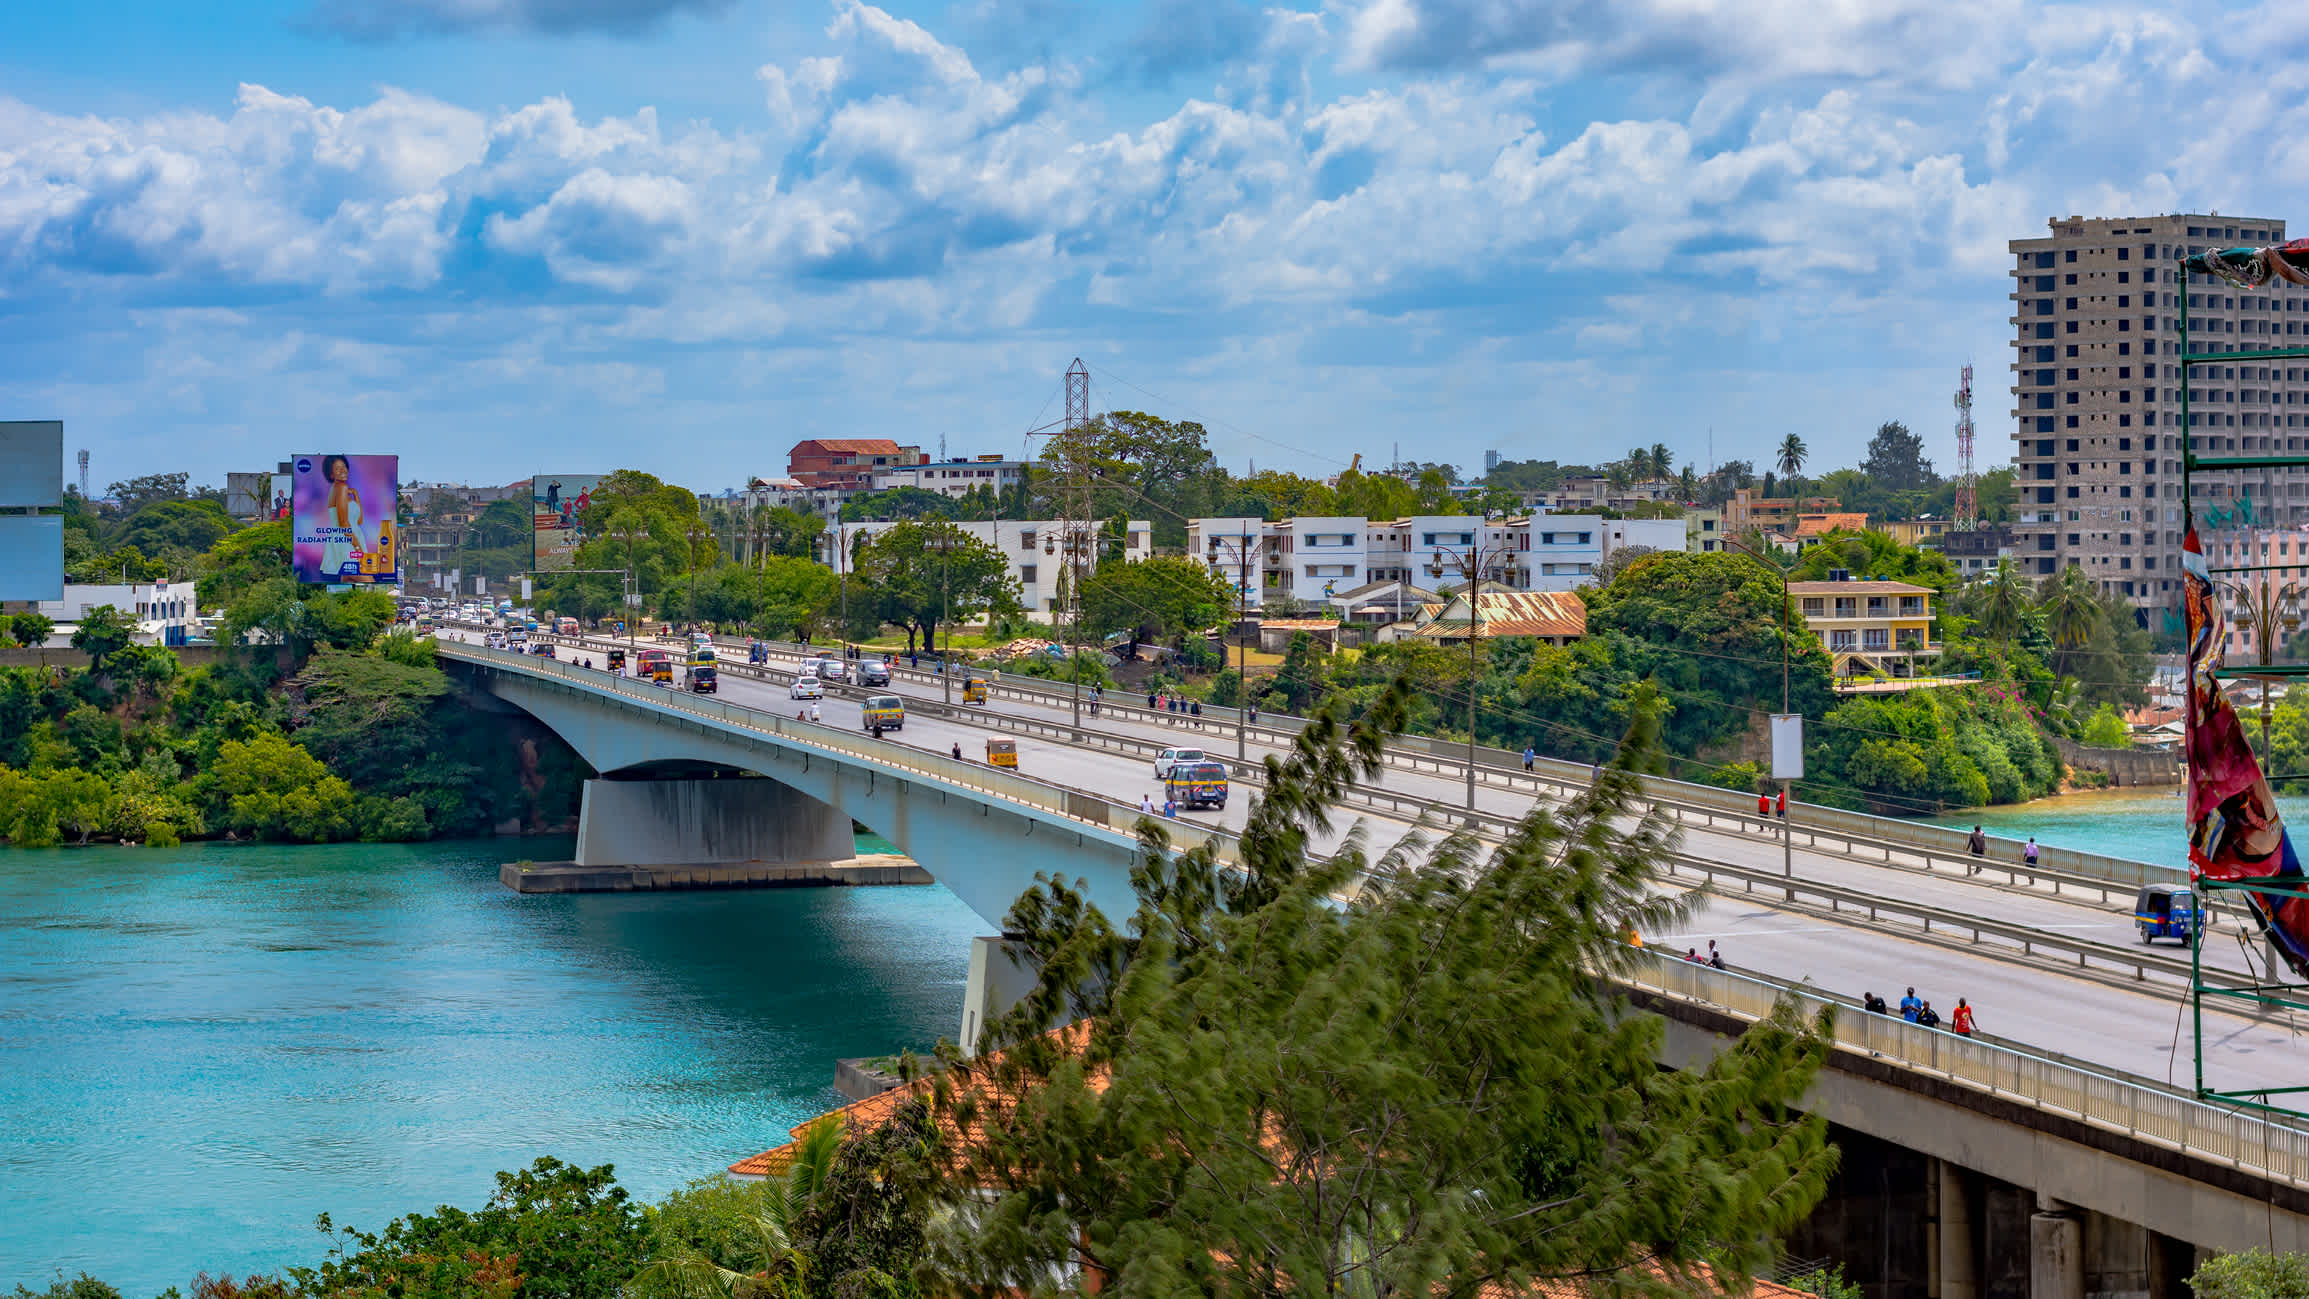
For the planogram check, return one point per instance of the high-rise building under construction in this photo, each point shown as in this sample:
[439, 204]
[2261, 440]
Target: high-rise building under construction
[2097, 398]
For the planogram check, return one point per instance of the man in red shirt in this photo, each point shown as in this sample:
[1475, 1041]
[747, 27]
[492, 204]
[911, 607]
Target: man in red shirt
[1962, 1021]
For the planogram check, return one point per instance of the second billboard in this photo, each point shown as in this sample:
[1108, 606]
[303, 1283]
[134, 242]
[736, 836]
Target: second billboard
[558, 503]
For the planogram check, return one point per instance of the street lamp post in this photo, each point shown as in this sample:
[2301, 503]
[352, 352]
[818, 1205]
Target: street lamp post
[1242, 652]
[1470, 564]
[1787, 846]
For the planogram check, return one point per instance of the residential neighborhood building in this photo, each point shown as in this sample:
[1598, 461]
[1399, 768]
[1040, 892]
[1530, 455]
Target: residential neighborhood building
[2097, 390]
[1552, 617]
[846, 462]
[956, 477]
[1978, 551]
[1870, 628]
[1924, 530]
[1597, 492]
[164, 611]
[1033, 548]
[1751, 510]
[1704, 530]
[1335, 560]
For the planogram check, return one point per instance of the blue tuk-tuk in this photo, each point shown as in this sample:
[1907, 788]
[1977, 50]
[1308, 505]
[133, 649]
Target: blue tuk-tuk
[757, 652]
[2169, 911]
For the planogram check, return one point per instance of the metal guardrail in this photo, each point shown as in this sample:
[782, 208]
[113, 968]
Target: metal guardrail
[2136, 1106]
[2139, 1107]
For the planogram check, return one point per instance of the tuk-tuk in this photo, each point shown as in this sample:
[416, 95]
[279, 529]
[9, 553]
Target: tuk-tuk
[2169, 911]
[655, 665]
[704, 679]
[974, 691]
[1002, 753]
[757, 653]
[617, 660]
[1200, 784]
[882, 712]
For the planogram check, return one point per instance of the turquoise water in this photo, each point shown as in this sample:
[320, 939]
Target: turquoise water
[2140, 824]
[201, 1048]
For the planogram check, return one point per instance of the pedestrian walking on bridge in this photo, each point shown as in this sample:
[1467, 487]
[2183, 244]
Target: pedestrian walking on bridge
[1962, 1022]
[1530, 756]
[1909, 1006]
[1978, 846]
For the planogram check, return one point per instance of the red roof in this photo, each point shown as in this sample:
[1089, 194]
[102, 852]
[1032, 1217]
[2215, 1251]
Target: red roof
[865, 446]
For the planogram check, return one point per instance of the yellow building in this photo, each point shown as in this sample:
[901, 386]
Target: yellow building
[1870, 627]
[1914, 532]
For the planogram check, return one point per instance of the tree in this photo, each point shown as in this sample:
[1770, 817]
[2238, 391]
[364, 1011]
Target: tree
[31, 628]
[927, 573]
[137, 493]
[103, 632]
[1426, 1092]
[2004, 604]
[1132, 463]
[238, 562]
[1896, 459]
[573, 1233]
[2253, 1274]
[898, 503]
[2106, 729]
[2072, 615]
[1791, 456]
[1165, 596]
[719, 1236]
[177, 530]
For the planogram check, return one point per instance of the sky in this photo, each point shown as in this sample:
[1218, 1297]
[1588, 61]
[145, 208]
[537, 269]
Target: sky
[504, 236]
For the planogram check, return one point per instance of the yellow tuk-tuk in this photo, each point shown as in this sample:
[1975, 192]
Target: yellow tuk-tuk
[617, 660]
[1002, 753]
[883, 713]
[974, 691]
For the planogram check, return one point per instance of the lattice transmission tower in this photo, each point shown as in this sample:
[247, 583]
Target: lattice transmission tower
[1967, 483]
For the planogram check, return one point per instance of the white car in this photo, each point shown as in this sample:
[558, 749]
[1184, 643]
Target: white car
[1170, 758]
[833, 670]
[805, 688]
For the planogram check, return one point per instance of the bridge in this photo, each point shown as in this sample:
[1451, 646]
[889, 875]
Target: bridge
[2068, 1102]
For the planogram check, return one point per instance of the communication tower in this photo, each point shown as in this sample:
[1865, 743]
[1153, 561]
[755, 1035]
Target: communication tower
[1074, 545]
[83, 473]
[1967, 483]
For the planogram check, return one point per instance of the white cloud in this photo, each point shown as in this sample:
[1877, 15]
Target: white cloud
[1462, 189]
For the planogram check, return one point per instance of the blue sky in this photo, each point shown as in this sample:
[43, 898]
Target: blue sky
[498, 236]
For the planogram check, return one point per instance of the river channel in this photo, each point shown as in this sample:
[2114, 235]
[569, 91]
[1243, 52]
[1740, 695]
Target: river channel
[203, 1047]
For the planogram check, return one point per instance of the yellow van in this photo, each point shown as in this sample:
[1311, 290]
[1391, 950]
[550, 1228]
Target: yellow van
[887, 712]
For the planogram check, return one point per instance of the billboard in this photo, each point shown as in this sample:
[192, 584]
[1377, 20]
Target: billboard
[341, 525]
[31, 463]
[556, 501]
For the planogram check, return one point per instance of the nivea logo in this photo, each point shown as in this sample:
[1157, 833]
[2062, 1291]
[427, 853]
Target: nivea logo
[304, 464]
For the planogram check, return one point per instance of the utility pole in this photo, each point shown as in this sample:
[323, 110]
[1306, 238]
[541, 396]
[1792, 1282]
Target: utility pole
[1470, 565]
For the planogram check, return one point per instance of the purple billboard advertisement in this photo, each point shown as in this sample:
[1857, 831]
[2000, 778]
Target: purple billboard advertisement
[342, 512]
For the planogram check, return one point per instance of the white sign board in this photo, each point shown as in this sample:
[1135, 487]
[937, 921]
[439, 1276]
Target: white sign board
[1787, 746]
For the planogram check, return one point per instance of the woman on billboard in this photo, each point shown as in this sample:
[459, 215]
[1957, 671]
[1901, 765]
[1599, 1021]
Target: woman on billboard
[347, 538]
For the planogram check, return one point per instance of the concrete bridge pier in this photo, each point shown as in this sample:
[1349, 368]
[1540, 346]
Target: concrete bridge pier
[2056, 1263]
[709, 820]
[1956, 1243]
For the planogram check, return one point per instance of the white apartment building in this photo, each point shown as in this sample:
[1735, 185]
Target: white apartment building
[1038, 550]
[157, 607]
[1314, 560]
[956, 477]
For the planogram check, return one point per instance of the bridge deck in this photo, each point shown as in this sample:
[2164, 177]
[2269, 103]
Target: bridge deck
[2123, 1029]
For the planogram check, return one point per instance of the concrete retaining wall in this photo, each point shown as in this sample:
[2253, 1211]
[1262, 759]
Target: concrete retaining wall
[192, 656]
[2125, 766]
[569, 877]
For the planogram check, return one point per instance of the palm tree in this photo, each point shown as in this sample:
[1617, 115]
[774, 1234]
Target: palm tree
[765, 1244]
[758, 523]
[2004, 604]
[1663, 462]
[1792, 453]
[2072, 611]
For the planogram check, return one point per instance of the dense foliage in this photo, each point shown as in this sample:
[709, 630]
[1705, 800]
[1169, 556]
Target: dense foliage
[1427, 1092]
